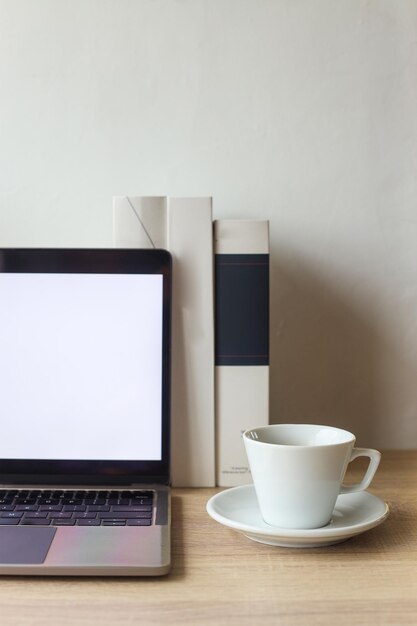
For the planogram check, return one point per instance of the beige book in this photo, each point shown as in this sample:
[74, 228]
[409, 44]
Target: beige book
[184, 227]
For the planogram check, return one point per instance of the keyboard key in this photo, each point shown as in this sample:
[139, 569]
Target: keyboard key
[9, 521]
[133, 507]
[62, 522]
[32, 521]
[11, 514]
[10, 507]
[57, 493]
[88, 522]
[113, 523]
[74, 507]
[139, 522]
[92, 508]
[36, 515]
[143, 494]
[34, 493]
[50, 507]
[27, 507]
[124, 515]
[84, 515]
[57, 515]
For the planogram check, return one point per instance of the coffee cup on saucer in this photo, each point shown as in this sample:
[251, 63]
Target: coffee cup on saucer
[298, 471]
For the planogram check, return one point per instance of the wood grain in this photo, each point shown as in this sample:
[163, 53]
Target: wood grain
[220, 577]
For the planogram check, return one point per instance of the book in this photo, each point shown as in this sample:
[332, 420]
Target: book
[183, 226]
[241, 341]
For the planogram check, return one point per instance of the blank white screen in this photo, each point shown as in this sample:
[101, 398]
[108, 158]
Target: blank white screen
[80, 366]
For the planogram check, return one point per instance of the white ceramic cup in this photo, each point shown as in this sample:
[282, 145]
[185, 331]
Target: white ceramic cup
[298, 469]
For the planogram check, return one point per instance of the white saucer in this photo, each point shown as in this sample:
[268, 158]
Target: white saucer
[354, 513]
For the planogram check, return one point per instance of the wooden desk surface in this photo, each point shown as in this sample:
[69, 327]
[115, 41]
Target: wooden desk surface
[220, 577]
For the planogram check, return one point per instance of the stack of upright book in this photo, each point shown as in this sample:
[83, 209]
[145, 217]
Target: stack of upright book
[220, 349]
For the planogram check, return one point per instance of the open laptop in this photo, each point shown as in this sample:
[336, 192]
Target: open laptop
[84, 411]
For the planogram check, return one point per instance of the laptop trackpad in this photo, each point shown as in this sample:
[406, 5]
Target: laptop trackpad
[25, 544]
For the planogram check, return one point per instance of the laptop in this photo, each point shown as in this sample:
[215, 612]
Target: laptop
[84, 412]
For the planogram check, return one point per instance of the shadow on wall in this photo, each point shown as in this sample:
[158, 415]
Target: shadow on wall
[328, 357]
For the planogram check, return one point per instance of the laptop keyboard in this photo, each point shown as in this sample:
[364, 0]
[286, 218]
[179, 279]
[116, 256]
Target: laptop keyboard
[76, 508]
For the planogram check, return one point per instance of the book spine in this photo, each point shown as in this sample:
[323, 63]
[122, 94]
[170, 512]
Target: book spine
[190, 239]
[241, 341]
[183, 226]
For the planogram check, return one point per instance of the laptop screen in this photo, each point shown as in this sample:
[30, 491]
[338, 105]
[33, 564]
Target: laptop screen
[83, 361]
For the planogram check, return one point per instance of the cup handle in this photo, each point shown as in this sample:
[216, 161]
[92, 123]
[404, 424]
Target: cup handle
[374, 458]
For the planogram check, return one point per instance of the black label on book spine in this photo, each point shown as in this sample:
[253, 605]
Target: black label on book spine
[242, 309]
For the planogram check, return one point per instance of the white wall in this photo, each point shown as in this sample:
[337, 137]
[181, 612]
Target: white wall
[300, 111]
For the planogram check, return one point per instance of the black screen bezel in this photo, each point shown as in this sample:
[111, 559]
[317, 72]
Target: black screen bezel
[97, 261]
